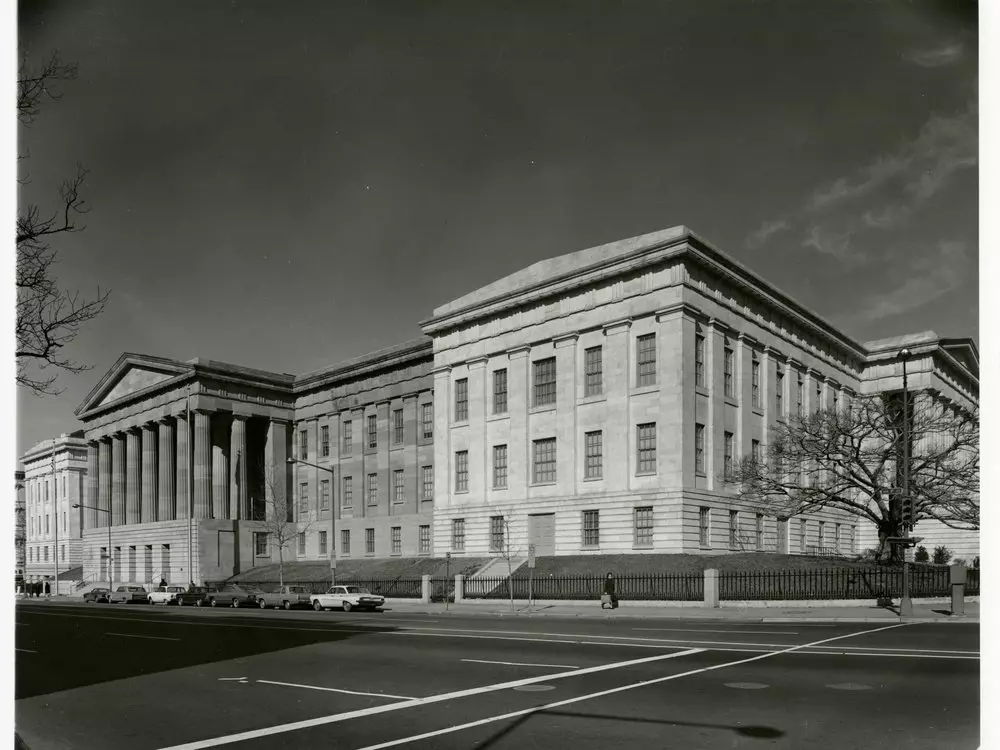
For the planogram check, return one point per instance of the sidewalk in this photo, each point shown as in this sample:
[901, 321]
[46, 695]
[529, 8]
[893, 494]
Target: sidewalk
[923, 612]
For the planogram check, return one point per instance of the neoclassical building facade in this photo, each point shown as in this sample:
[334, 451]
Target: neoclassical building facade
[586, 404]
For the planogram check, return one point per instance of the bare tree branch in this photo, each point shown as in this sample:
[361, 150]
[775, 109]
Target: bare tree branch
[277, 515]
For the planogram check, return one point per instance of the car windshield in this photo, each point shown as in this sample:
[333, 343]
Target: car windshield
[357, 590]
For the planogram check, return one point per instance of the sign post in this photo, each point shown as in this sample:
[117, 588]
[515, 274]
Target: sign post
[531, 574]
[447, 578]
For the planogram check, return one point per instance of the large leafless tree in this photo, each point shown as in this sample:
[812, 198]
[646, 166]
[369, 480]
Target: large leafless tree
[276, 515]
[49, 317]
[851, 460]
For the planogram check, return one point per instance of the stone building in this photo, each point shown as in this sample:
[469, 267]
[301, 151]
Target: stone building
[54, 472]
[586, 404]
[20, 529]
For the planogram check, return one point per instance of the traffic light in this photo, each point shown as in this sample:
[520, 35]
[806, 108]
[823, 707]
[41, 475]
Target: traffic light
[906, 511]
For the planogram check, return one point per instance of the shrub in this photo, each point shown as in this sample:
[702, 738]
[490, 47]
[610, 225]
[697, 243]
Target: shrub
[975, 562]
[941, 555]
[921, 555]
[960, 561]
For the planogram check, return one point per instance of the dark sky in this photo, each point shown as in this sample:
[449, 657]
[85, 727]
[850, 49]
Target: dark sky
[284, 185]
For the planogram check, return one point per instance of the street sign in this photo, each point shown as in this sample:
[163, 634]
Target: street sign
[531, 555]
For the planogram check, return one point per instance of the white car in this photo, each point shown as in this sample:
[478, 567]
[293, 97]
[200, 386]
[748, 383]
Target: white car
[164, 594]
[347, 598]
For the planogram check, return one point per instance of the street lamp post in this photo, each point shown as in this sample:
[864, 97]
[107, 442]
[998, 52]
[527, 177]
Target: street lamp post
[905, 603]
[55, 517]
[331, 549]
[102, 510]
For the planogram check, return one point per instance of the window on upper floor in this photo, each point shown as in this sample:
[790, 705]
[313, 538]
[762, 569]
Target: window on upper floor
[347, 437]
[544, 378]
[427, 420]
[645, 359]
[397, 426]
[645, 438]
[303, 444]
[755, 382]
[593, 365]
[544, 460]
[699, 360]
[499, 467]
[500, 391]
[372, 431]
[729, 372]
[462, 400]
[461, 471]
[593, 447]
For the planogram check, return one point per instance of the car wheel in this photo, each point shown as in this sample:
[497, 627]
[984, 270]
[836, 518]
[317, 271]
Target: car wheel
[236, 603]
[149, 600]
[317, 606]
[287, 605]
[197, 602]
[346, 606]
[211, 602]
[262, 604]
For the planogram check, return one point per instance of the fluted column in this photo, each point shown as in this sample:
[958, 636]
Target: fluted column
[90, 498]
[202, 465]
[103, 481]
[133, 480]
[149, 472]
[220, 466]
[118, 479]
[167, 472]
[238, 494]
[183, 460]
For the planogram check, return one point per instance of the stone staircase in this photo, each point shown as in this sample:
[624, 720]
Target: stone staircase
[492, 576]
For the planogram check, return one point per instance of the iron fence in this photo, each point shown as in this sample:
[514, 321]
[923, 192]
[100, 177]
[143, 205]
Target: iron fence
[972, 582]
[668, 587]
[832, 583]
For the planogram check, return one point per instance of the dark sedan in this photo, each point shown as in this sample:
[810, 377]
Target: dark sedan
[195, 595]
[231, 595]
[98, 596]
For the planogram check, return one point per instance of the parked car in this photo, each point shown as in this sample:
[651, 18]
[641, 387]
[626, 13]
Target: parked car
[286, 596]
[347, 598]
[195, 595]
[164, 594]
[98, 596]
[128, 594]
[230, 594]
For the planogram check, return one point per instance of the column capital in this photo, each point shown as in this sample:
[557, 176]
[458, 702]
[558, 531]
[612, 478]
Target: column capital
[240, 417]
[684, 309]
[770, 351]
[518, 352]
[616, 327]
[441, 372]
[566, 339]
[718, 326]
[477, 363]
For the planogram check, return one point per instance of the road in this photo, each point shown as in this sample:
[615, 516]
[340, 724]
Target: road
[136, 677]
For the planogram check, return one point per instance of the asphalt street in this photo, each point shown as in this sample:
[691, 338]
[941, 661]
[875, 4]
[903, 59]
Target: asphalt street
[100, 676]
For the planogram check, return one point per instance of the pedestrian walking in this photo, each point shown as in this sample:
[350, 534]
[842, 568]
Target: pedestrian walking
[609, 599]
[163, 582]
[48, 590]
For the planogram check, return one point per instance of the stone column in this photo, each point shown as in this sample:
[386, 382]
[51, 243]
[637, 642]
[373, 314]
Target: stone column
[90, 498]
[183, 461]
[220, 466]
[167, 472]
[104, 481]
[133, 481]
[202, 465]
[149, 472]
[238, 495]
[118, 479]
[277, 472]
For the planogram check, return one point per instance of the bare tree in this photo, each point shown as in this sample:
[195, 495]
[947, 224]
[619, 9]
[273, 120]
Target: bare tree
[48, 316]
[504, 549]
[851, 460]
[277, 516]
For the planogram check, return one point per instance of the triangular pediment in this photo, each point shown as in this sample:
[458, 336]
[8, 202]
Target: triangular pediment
[131, 374]
[134, 379]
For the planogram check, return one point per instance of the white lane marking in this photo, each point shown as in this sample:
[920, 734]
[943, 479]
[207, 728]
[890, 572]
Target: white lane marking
[26, 650]
[602, 693]
[150, 637]
[337, 690]
[388, 619]
[224, 679]
[262, 626]
[323, 720]
[520, 664]
[703, 630]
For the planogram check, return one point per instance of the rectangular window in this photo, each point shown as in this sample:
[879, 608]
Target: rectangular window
[819, 397]
[645, 438]
[728, 374]
[822, 536]
[802, 535]
[303, 444]
[348, 438]
[755, 382]
[425, 540]
[755, 450]
[46, 551]
[836, 539]
[799, 388]
[500, 391]
[727, 453]
[396, 535]
[704, 526]
[64, 490]
[302, 543]
[324, 494]
[760, 531]
[643, 526]
[64, 520]
[850, 540]
[46, 523]
[427, 482]
[345, 541]
[544, 460]
[373, 489]
[496, 533]
[324, 441]
[373, 431]
[322, 543]
[645, 359]
[591, 528]
[348, 499]
[593, 366]
[369, 541]
[779, 393]
[304, 498]
[398, 491]
[427, 420]
[544, 378]
[499, 467]
[461, 471]
[593, 466]
[699, 360]
[259, 544]
[397, 426]
[458, 534]
[699, 448]
[62, 549]
[734, 528]
[462, 400]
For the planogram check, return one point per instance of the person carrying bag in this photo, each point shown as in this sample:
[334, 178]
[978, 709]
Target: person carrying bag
[609, 600]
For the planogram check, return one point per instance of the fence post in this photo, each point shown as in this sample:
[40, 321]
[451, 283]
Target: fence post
[711, 588]
[958, 579]
[425, 590]
[459, 588]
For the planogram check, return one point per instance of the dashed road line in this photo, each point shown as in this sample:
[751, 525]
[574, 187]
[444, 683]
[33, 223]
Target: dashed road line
[150, 637]
[26, 650]
[703, 630]
[338, 690]
[520, 664]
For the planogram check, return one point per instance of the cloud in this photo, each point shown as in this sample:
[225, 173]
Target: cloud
[828, 242]
[938, 56]
[928, 278]
[766, 230]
